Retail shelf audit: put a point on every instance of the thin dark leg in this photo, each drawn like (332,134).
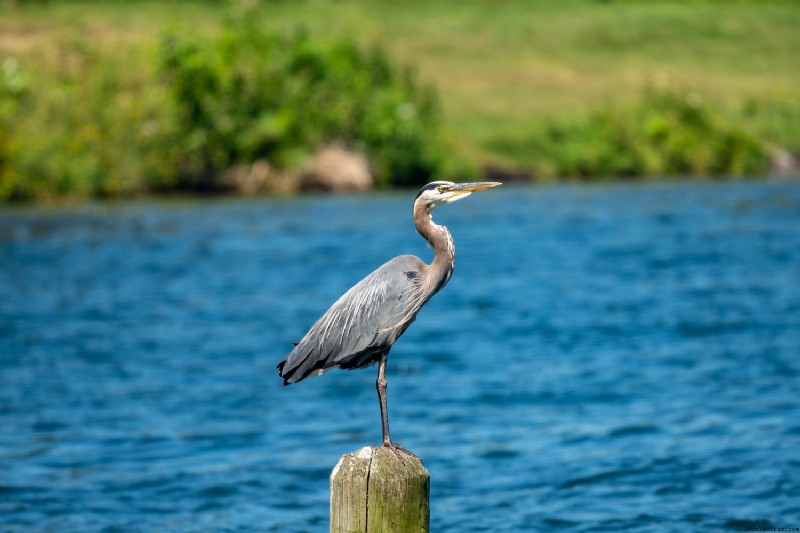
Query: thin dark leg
(381,386)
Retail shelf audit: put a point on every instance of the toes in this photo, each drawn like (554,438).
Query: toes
(397,448)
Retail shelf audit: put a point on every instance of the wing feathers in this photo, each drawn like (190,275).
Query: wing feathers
(362,324)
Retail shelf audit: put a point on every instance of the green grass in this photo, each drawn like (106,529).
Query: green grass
(505,70)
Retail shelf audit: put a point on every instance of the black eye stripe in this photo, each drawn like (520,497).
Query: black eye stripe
(431,187)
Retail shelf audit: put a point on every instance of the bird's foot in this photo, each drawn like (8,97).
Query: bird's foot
(398,449)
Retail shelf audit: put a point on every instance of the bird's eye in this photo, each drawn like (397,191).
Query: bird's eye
(442,189)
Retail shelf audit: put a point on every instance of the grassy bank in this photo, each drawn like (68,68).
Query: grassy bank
(513,78)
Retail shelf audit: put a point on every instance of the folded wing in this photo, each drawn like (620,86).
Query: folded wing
(362,324)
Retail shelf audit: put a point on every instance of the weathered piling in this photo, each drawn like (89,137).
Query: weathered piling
(378,490)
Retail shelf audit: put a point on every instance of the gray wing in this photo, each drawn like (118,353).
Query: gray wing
(362,324)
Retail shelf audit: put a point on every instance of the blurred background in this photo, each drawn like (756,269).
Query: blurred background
(116,99)
(617,349)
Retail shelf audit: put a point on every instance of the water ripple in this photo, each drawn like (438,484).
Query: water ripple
(605,358)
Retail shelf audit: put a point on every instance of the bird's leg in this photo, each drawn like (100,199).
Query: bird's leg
(380,384)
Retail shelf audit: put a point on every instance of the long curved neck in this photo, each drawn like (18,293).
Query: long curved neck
(444,251)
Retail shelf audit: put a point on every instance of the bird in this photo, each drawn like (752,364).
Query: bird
(361,327)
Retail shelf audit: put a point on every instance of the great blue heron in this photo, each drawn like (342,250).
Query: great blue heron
(361,327)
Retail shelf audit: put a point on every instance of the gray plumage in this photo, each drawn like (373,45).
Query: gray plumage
(363,323)
(360,328)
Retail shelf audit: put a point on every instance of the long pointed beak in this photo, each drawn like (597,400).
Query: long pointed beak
(472,187)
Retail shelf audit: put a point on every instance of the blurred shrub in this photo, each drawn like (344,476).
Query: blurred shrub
(87,125)
(82,121)
(78,120)
(776,119)
(665,133)
(246,95)
(13,90)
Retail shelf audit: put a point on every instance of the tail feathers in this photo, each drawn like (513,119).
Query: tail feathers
(280,372)
(294,362)
(298,365)
(288,373)
(301,367)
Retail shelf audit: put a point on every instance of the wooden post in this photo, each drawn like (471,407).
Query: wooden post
(376,490)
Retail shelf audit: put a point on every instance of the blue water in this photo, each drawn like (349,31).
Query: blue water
(605,358)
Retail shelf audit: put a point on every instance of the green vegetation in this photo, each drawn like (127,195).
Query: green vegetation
(199,105)
(98,100)
(665,133)
(82,127)
(248,95)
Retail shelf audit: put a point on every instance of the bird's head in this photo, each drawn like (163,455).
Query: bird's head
(439,193)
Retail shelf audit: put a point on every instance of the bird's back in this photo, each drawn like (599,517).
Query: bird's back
(362,324)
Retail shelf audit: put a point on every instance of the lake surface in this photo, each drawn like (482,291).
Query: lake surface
(604,358)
